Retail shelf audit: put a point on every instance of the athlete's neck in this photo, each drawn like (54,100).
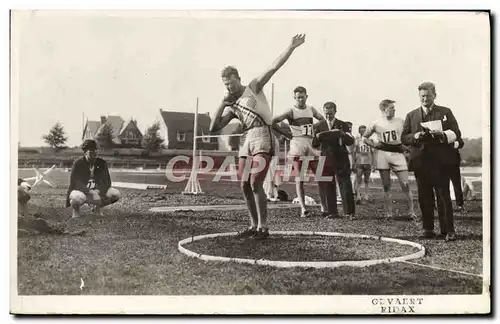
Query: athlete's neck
(301,106)
(89,160)
(240,90)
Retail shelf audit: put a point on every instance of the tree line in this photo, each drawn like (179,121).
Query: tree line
(151,141)
(471,153)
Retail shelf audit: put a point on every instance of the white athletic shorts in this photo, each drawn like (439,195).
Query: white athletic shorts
(391,161)
(258,140)
(302,146)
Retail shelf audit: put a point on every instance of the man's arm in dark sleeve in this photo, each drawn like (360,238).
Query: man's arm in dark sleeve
(408,135)
(347,137)
(460,143)
(316,129)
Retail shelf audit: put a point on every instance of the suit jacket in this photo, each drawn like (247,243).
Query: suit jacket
(80,176)
(336,150)
(442,149)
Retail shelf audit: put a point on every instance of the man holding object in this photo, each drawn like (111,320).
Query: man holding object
(431,130)
(332,138)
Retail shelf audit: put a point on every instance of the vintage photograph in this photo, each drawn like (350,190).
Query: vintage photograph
(250,162)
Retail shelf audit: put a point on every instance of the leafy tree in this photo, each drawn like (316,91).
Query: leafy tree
(152,141)
(104,137)
(472,152)
(56,137)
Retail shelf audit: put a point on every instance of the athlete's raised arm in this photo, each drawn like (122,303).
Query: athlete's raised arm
(261,81)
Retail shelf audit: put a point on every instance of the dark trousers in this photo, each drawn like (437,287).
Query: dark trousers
(345,185)
(328,189)
(433,176)
(456,180)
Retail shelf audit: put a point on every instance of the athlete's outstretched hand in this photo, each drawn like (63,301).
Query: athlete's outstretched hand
(298,40)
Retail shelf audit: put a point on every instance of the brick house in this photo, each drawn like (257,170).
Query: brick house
(177,130)
(125,133)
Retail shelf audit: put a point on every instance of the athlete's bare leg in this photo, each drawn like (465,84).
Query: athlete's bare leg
(385,176)
(405,187)
(247,191)
(367,174)
(299,187)
(359,175)
(257,187)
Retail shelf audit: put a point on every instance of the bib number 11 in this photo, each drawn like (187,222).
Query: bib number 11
(364,148)
(307,130)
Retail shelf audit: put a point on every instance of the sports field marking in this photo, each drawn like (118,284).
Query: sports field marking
(443,269)
(203,208)
(304,264)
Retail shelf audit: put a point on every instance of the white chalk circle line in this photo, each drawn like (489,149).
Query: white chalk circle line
(305,264)
(197,208)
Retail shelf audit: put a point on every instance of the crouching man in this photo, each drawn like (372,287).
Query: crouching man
(23,196)
(90,182)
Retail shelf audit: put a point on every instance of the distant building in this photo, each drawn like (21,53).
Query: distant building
(177,129)
(125,134)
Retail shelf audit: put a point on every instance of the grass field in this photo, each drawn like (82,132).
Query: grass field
(131,251)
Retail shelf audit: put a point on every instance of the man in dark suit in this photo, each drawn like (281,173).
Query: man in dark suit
(432,156)
(90,182)
(333,146)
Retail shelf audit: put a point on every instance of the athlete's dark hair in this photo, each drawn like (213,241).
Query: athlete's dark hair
(385,103)
(299,89)
(330,104)
(89,145)
(228,71)
(428,86)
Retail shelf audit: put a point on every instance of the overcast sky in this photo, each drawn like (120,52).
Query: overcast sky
(134,64)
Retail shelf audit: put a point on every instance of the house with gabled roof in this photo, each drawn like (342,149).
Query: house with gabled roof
(177,130)
(125,133)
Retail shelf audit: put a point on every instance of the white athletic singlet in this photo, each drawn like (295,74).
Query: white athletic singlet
(252,109)
(363,152)
(301,122)
(388,131)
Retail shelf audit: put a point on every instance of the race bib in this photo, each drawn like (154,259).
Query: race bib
(390,136)
(364,148)
(91,184)
(307,130)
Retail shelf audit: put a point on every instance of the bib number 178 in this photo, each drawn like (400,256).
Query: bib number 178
(390,135)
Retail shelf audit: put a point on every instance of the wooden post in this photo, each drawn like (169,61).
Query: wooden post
(193,186)
(195,132)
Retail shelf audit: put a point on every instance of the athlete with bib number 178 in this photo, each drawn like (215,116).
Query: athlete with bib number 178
(390,153)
